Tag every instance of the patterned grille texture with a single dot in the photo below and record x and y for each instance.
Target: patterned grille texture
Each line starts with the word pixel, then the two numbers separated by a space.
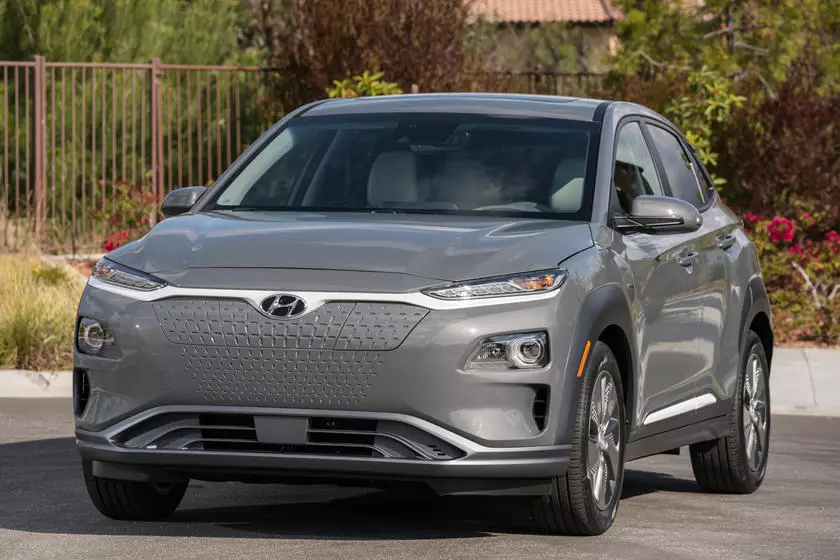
pixel 328 356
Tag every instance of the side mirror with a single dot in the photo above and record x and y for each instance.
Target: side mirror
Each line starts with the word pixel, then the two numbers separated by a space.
pixel 181 200
pixel 660 214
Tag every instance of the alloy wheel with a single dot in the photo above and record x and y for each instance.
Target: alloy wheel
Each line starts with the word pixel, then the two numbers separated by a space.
pixel 754 414
pixel 604 441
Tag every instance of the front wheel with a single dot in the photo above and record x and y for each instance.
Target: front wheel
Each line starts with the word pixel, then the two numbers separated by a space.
pixel 736 464
pixel 133 501
pixel 584 501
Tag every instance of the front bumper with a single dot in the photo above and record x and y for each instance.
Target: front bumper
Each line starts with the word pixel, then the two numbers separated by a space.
pixel 199 362
pixel 385 447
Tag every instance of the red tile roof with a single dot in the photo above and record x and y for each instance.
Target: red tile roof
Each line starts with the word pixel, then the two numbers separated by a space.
pixel 530 11
pixel 570 11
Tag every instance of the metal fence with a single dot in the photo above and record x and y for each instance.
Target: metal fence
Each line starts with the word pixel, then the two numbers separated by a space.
pixel 72 133
pixel 552 83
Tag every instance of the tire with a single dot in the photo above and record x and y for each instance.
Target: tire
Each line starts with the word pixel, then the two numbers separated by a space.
pixel 572 507
pixel 736 464
pixel 133 501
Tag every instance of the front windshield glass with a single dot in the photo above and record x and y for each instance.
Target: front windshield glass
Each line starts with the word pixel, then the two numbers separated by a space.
pixel 433 163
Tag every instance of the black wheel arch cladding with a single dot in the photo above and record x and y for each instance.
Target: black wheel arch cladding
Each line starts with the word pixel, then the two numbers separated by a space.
pixel 605 316
pixel 756 312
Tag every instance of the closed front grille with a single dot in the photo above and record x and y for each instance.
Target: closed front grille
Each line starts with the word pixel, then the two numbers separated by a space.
pixel 328 357
pixel 318 436
pixel 328 378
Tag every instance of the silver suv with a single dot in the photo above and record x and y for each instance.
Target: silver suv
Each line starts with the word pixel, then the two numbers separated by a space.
pixel 486 294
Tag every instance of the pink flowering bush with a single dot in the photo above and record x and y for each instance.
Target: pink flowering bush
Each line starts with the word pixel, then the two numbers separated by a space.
pixel 800 261
pixel 130 217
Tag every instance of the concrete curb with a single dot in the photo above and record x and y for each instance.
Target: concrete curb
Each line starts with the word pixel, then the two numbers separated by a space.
pixel 803 381
pixel 16 384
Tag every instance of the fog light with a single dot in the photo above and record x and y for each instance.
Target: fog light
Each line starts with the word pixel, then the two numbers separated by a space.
pixel 511 351
pixel 92 336
pixel 527 351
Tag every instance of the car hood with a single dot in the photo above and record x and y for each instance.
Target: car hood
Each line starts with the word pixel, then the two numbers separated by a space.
pixel 428 248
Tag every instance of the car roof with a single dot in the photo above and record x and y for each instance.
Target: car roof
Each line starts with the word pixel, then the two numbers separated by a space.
pixel 494 104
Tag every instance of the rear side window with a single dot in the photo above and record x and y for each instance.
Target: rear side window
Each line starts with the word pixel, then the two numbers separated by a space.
pixel 678 167
pixel 703 177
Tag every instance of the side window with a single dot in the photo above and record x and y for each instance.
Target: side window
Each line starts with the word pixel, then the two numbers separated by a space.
pixel 634 173
pixel 678 166
pixel 703 177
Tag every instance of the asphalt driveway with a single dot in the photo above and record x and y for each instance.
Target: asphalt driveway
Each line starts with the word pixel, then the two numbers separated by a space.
pixel 45 513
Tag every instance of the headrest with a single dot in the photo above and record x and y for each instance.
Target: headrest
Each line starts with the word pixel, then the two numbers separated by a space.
pixel 393 178
pixel 567 185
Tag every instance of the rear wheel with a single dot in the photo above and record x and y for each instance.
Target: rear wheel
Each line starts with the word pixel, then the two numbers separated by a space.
pixel 133 501
pixel 584 501
pixel 736 463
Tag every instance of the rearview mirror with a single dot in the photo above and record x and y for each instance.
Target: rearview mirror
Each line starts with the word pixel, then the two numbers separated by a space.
pixel 181 200
pixel 659 214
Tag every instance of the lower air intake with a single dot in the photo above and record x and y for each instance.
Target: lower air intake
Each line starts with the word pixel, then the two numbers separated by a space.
pixel 324 436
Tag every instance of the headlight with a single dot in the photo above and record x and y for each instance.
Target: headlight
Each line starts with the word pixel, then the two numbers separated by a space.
pixel 109 271
pixel 511 351
pixel 527 283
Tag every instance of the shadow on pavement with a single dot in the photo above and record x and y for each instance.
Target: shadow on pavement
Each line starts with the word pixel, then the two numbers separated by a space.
pixel 41 491
pixel 639 483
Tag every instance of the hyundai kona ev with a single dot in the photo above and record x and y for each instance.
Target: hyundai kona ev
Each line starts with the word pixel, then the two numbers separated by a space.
pixel 477 294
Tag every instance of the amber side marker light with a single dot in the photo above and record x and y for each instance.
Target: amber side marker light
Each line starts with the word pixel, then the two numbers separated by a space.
pixel 583 358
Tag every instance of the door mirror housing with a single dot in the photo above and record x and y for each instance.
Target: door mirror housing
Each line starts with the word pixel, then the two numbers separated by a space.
pixel 181 200
pixel 659 214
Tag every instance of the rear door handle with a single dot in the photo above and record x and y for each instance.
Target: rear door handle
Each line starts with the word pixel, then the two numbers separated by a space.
pixel 726 240
pixel 687 259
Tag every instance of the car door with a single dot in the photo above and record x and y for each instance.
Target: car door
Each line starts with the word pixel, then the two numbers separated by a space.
pixel 721 311
pixel 683 176
pixel 665 282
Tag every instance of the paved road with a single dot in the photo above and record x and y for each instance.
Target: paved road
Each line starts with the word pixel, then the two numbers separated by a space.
pixel 44 511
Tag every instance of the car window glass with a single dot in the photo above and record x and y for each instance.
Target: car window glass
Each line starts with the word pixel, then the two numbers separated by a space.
pixel 678 167
pixel 634 173
pixel 273 174
pixel 703 177
pixel 460 164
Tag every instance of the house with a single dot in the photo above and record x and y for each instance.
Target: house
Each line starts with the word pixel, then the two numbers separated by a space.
pixel 553 35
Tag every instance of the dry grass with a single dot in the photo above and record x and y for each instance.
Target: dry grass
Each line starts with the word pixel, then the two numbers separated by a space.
pixel 16 234
pixel 37 313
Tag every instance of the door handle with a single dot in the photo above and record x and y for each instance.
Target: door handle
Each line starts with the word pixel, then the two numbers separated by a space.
pixel 687 259
pixel 726 240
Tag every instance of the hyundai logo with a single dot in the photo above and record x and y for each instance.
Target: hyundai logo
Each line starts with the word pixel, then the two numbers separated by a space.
pixel 283 306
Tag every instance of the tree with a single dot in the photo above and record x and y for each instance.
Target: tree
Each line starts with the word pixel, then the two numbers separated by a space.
pixel 740 39
pixel 551 47
pixel 178 31
pixel 311 43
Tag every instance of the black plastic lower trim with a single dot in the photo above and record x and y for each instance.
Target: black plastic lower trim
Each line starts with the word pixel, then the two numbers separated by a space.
pixel 706 430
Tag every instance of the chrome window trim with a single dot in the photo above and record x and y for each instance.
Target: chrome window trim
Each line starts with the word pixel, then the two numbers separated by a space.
pixel 314 299
pixel 682 407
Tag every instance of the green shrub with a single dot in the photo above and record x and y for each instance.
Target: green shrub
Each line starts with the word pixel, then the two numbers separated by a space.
pixel 363 85
pixel 51 275
pixel 707 104
pixel 37 314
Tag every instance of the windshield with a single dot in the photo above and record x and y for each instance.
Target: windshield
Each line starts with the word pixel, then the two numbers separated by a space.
pixel 431 163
